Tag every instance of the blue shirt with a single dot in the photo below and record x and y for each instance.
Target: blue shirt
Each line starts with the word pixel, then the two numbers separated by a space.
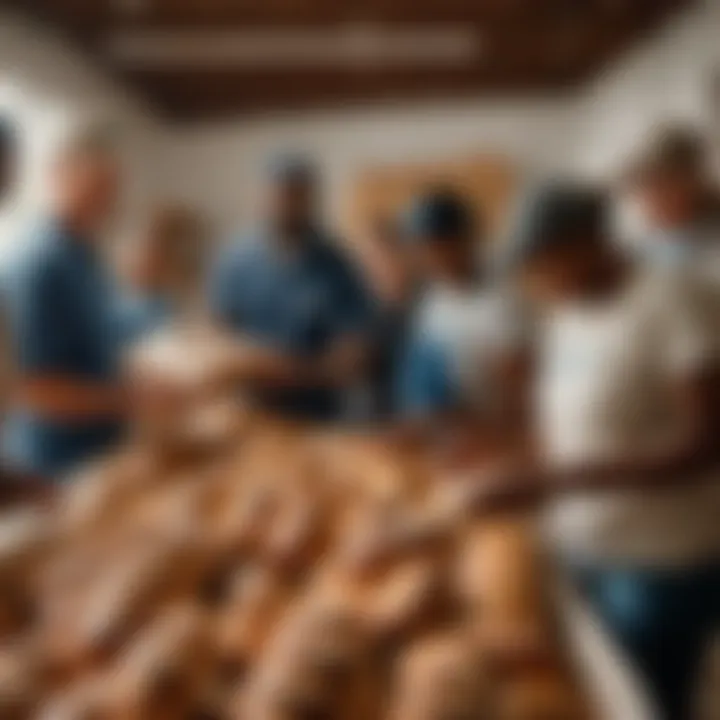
pixel 426 385
pixel 298 300
pixel 62 314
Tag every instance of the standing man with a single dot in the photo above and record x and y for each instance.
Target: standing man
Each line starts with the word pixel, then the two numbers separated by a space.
pixel 290 289
pixel 68 404
pixel 626 424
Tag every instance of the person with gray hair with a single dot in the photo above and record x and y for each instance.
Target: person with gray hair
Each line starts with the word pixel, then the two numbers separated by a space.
pixel 671 180
pixel 68 405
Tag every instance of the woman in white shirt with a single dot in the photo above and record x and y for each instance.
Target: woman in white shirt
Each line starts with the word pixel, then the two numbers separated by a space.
pixel 627 416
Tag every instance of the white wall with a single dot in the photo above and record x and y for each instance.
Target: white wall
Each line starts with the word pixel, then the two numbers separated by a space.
pixel 217 164
pixel 46 85
pixel 592 132
pixel 667 77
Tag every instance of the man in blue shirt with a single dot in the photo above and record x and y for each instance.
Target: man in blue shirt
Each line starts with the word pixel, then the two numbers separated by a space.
pixel 68 403
pixel 290 289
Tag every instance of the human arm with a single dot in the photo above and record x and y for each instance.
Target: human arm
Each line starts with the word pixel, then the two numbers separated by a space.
pixel 683 360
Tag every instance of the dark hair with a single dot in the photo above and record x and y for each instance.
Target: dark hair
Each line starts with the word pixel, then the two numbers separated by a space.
pixel 292 169
pixel 442 214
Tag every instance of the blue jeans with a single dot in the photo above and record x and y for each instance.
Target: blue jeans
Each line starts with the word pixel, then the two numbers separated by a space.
pixel 663 619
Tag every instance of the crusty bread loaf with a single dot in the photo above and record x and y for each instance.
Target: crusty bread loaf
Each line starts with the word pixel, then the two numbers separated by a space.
pixel 166 670
pixel 85 700
pixel 94 626
pixel 288 575
pixel 317 663
pixel 21 681
pixel 444 678
pixel 499 574
pixel 249 618
pixel 542 697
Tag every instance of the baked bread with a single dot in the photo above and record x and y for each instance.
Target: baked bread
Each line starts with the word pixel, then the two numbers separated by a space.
pixel 444 678
pixel 166 670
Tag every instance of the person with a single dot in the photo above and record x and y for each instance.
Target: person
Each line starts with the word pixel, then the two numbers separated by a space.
pixel 291 290
pixel 165 267
pixel 468 336
pixel 671 183
pixel 68 403
pixel 626 425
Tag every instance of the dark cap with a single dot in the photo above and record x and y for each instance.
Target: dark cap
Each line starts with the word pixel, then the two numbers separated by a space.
pixel 669 149
pixel 439 215
pixel 292 168
pixel 554 215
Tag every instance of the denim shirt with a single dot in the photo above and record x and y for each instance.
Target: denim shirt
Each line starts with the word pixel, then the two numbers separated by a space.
pixel 61 312
pixel 298 302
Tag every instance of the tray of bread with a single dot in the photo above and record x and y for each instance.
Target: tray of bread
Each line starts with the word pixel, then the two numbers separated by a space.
pixel 292 573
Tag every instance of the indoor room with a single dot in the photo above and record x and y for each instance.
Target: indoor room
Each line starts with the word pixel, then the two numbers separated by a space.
pixel 359 360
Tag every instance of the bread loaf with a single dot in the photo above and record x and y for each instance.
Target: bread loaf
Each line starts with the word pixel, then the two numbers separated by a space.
pixel 99 623
pixel 250 617
pixel 20 682
pixel 444 678
pixel 166 670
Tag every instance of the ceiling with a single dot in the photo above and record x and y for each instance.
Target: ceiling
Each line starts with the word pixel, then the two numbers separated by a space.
pixel 201 59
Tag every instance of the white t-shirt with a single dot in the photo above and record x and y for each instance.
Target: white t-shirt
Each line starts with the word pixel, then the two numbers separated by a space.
pixel 605 392
pixel 474 329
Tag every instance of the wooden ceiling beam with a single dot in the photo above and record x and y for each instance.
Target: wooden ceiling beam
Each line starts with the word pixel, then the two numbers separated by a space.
pixel 527 46
pixel 101 16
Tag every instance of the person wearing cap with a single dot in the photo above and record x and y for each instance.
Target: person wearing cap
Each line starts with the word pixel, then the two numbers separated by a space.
pixel 627 421
pixel 163 272
pixel 672 185
pixel 467 334
pixel 68 404
pixel 291 290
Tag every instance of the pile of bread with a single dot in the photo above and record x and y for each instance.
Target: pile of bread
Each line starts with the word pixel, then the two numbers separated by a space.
pixel 288 574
